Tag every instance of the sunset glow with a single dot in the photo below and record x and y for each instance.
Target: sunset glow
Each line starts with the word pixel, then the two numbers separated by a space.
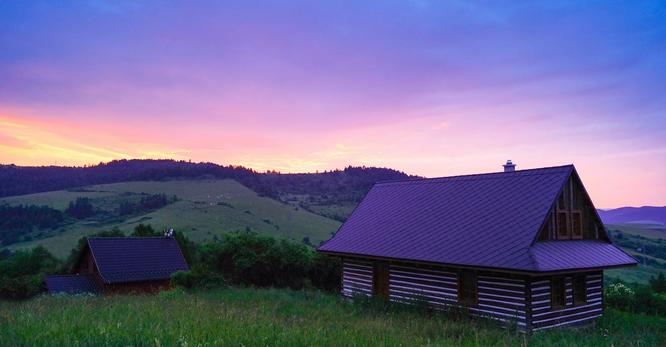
pixel 423 87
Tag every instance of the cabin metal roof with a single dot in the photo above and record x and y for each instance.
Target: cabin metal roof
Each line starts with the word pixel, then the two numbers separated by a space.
pixel 72 284
pixel 132 259
pixel 484 220
pixel 559 255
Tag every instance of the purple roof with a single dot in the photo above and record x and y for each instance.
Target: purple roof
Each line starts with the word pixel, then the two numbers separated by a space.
pixel 557 255
pixel 72 284
pixel 486 220
pixel 131 259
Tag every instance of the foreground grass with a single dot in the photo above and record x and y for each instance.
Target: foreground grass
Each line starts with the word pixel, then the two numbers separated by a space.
pixel 251 317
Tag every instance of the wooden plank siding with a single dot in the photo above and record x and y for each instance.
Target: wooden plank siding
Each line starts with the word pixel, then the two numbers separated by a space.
pixel 409 284
pixel 513 299
pixel 543 316
pixel 357 276
pixel 502 298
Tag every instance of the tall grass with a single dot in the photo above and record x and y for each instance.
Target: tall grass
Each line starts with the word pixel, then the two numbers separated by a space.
pixel 271 317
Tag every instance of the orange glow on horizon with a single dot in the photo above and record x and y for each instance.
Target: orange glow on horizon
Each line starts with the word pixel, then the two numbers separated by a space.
pixel 425 146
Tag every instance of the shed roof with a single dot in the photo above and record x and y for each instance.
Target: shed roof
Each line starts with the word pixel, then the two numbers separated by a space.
pixel 131 259
pixel 484 220
pixel 72 284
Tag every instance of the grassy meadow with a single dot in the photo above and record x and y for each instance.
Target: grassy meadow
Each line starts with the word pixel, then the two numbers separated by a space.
pixel 205 209
pixel 633 237
pixel 272 317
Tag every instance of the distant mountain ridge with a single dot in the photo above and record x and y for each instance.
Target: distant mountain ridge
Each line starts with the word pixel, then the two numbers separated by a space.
pixel 644 214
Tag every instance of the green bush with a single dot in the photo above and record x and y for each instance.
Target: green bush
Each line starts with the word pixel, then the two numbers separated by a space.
pixel 249 259
pixel 635 298
pixel 658 283
pixel 325 272
pixel 198 277
pixel 22 273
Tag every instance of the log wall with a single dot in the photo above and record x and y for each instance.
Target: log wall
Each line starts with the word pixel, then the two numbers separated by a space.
pixel 513 299
pixel 356 277
pixel 544 316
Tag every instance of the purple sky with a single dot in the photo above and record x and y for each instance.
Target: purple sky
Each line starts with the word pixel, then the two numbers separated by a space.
pixel 431 88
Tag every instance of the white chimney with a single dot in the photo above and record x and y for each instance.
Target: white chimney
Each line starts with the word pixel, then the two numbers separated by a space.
pixel 509 166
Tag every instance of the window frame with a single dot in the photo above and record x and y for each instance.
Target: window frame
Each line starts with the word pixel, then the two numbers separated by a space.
pixel 574 216
pixel 563 225
pixel 468 294
pixel 558 283
pixel 579 287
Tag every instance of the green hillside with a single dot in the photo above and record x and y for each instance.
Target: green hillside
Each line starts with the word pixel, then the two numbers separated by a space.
pixel 645 242
pixel 205 208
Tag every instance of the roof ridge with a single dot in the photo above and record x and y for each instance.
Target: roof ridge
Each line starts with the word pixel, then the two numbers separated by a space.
pixel 477 175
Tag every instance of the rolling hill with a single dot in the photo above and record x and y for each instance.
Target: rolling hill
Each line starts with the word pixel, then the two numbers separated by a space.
pixel 204 209
pixel 214 199
pixel 645 242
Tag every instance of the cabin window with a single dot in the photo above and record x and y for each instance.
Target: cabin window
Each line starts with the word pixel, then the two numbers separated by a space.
pixel 580 290
pixel 571 214
pixel 576 225
pixel 562 225
pixel 467 288
pixel 557 293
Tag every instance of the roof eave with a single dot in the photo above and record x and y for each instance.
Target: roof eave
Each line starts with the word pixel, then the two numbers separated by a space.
pixel 529 272
pixel 92 253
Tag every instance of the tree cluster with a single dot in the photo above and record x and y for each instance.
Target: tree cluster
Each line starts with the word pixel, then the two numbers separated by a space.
pixel 241 258
pixel 246 258
pixel 147 203
pixel 17 222
pixel 345 185
pixel 22 273
pixel 81 208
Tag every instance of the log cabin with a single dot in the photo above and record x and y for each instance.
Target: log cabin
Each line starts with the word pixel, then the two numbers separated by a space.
pixel 115 265
pixel 523 247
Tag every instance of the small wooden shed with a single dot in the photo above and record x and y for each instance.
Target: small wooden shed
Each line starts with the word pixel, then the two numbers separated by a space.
pixel 525 247
pixel 122 265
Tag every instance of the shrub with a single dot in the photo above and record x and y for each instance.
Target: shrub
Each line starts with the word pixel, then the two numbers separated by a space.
pixel 639 299
pixel 198 277
pixel 249 259
pixel 658 283
pixel 325 272
pixel 263 261
pixel 647 301
pixel 22 273
pixel 619 295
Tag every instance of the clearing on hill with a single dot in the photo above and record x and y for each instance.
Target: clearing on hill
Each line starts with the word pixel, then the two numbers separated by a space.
pixel 203 210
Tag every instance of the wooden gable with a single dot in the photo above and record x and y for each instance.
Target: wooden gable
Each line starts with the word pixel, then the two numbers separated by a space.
pixel 86 263
pixel 573 215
